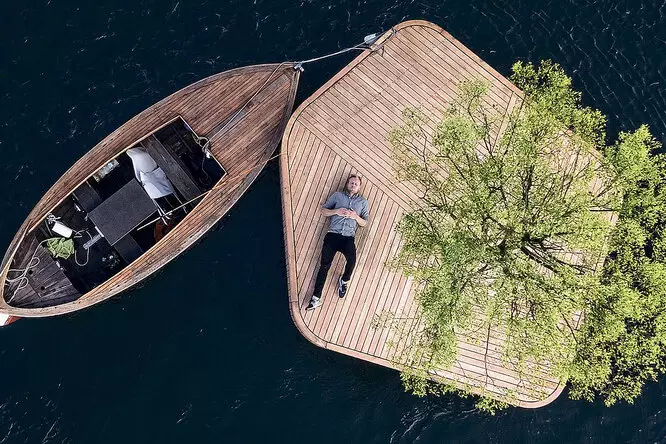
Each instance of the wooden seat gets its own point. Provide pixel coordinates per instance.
(173, 166)
(87, 197)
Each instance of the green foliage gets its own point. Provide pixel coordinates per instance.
(623, 341)
(511, 228)
(490, 405)
(420, 384)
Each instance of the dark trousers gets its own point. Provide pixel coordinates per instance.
(334, 242)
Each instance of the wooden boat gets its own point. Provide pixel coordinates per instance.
(146, 192)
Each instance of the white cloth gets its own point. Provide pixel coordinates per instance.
(142, 161)
(152, 178)
(156, 183)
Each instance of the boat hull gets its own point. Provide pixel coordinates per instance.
(242, 111)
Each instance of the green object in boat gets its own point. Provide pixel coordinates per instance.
(60, 247)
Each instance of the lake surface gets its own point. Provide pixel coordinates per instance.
(206, 350)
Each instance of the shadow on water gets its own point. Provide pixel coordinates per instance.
(206, 351)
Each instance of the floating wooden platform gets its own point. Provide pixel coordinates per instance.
(242, 111)
(343, 129)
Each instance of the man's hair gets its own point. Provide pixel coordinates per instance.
(360, 182)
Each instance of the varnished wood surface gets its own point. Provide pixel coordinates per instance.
(343, 128)
(242, 147)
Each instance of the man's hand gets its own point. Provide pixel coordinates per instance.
(344, 212)
(351, 214)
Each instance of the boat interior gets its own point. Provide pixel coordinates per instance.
(112, 218)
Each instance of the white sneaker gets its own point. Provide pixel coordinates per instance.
(314, 303)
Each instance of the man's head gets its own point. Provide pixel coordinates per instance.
(353, 184)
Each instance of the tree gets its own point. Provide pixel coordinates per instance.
(512, 228)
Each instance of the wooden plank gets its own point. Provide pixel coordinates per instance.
(367, 259)
(322, 157)
(369, 292)
(386, 280)
(321, 193)
(314, 147)
(294, 154)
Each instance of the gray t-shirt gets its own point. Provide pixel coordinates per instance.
(344, 225)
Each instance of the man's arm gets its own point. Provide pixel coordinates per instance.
(362, 219)
(328, 209)
(359, 220)
(326, 212)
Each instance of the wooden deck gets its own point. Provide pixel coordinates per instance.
(242, 111)
(343, 128)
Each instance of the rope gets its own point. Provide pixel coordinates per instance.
(76, 259)
(366, 44)
(206, 146)
(23, 277)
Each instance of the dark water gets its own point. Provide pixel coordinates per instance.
(206, 351)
